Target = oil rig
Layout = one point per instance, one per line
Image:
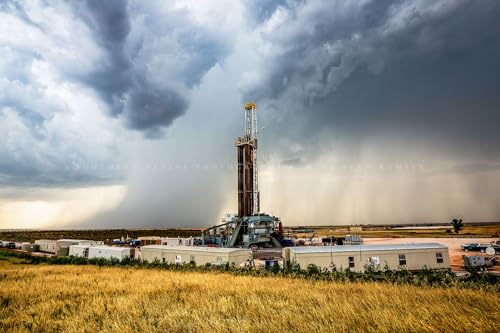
(249, 227)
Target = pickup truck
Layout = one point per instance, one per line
(474, 247)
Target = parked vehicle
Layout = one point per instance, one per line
(286, 242)
(11, 245)
(474, 247)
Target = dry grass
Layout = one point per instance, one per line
(90, 299)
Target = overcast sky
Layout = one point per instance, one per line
(123, 113)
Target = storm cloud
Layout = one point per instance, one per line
(423, 71)
(369, 111)
(58, 56)
(147, 102)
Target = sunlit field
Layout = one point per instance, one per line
(45, 298)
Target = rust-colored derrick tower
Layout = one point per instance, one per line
(249, 227)
(248, 191)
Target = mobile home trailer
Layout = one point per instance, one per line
(79, 251)
(177, 241)
(412, 256)
(61, 246)
(109, 252)
(197, 254)
(47, 245)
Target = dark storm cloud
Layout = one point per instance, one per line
(158, 108)
(141, 59)
(427, 72)
(110, 23)
(145, 105)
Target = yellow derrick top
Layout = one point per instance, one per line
(250, 106)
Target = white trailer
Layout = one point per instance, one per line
(109, 252)
(177, 241)
(47, 245)
(413, 256)
(79, 251)
(196, 254)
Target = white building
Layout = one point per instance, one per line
(197, 254)
(177, 241)
(47, 245)
(61, 246)
(412, 256)
(109, 252)
(79, 251)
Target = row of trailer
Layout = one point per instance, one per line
(358, 258)
(61, 247)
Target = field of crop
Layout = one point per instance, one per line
(45, 298)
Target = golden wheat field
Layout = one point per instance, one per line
(48, 298)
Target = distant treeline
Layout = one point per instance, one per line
(96, 234)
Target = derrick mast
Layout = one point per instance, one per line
(248, 187)
(249, 227)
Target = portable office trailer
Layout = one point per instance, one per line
(109, 252)
(79, 250)
(62, 245)
(356, 257)
(197, 254)
(65, 243)
(177, 241)
(47, 245)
